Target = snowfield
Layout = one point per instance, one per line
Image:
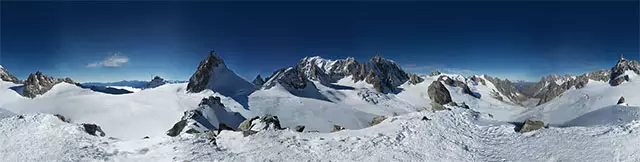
(129, 116)
(476, 137)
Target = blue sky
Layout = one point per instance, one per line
(112, 41)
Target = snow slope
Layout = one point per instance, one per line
(576, 102)
(612, 115)
(146, 113)
(476, 137)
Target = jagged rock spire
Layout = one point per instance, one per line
(258, 80)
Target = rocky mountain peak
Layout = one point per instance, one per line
(622, 66)
(38, 83)
(156, 82)
(258, 80)
(383, 74)
(200, 79)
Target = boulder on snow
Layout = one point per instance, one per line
(177, 128)
(438, 93)
(300, 128)
(531, 125)
(377, 120)
(621, 100)
(256, 124)
(337, 128)
(93, 129)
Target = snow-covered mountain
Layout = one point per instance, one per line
(460, 118)
(38, 84)
(155, 82)
(213, 74)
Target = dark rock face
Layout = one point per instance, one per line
(438, 93)
(414, 79)
(155, 82)
(619, 80)
(300, 128)
(39, 83)
(621, 100)
(177, 128)
(93, 129)
(290, 78)
(258, 81)
(200, 79)
(531, 125)
(618, 71)
(5, 75)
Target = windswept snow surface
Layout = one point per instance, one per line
(457, 135)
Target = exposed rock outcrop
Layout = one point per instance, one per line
(213, 74)
(621, 100)
(414, 79)
(618, 72)
(337, 128)
(384, 75)
(377, 120)
(290, 78)
(531, 125)
(300, 128)
(210, 115)
(5, 75)
(93, 129)
(257, 124)
(438, 93)
(507, 89)
(38, 84)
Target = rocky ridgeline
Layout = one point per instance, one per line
(38, 84)
(384, 75)
(5, 75)
(210, 115)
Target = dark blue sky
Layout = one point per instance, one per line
(517, 40)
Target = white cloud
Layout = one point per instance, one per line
(114, 60)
